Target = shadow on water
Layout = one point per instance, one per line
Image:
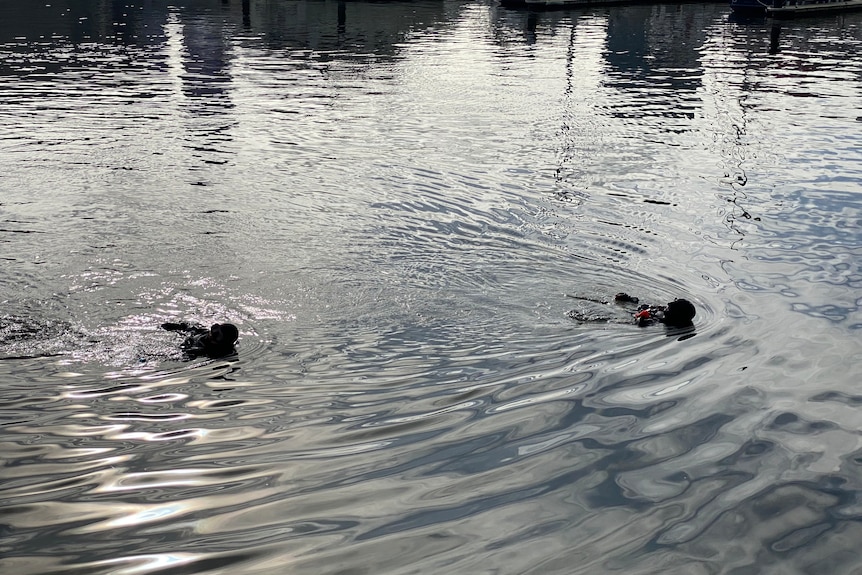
(413, 211)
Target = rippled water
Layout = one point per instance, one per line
(401, 205)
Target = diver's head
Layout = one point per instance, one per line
(679, 313)
(224, 333)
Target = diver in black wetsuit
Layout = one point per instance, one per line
(217, 341)
(677, 313)
(676, 316)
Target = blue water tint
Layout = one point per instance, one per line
(418, 214)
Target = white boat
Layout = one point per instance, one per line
(549, 4)
(792, 7)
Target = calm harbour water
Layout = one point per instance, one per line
(400, 203)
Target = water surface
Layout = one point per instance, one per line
(403, 205)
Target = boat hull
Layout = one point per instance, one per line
(792, 7)
(556, 4)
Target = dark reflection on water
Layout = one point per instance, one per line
(403, 205)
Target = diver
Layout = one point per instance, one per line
(677, 314)
(217, 341)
